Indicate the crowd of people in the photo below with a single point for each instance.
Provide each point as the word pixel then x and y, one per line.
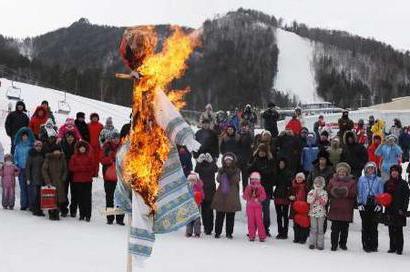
pixel 65 158
pixel 310 176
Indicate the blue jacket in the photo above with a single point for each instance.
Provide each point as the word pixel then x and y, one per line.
pixel 309 154
pixel 389 154
pixel 22 148
pixel 368 186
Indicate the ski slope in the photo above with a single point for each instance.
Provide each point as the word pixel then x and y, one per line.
pixel 35 244
pixel 295 71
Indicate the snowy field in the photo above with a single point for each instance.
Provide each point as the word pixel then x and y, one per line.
pixel 33 244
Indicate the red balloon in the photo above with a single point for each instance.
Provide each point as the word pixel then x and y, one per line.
pixel 198 197
pixel 384 199
pixel 301 207
pixel 302 220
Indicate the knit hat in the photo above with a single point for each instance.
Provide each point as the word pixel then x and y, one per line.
pixel 69 121
pixel 323 153
pixel 343 165
pixel 368 165
pixel 391 139
pixel 255 176
pixel 228 157
pixel 301 175
pixel 193 176
pixel 80 115
pixel 320 181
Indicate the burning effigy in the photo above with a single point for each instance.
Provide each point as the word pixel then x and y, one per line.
pixel 152 187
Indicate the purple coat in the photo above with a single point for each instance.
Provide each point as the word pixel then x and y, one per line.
pixel 342 195
pixel 8 175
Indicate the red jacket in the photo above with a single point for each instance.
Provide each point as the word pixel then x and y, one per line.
pixel 108 153
pixel 82 166
pixel 94 128
pixel 295 126
pixel 372 156
pixel 299 191
pixel 36 121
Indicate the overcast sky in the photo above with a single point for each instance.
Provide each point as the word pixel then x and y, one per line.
pixel 387 21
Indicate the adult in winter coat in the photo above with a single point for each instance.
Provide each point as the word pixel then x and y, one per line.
pixel 263 163
pixel 396 212
pixel 404 143
pixel 38 119
pixel 48 130
pixel 354 154
pixel 245 151
pixel 371 151
pixel 48 110
pixel 68 147
pixel 361 134
pixel 309 153
pixel 378 128
pixel 396 129
pixel 318 126
pixel 226 199
pixel 8 174
pixel 295 125
pixel 208 140
pixel 317 198
pixel 69 125
pixel 208 114
pixel 270 119
pixel 250 117
pixel 206 169
pixel 95 128
pixel 283 186
pixel 265 138
pixel 368 187
pixel 254 195
pixel 82 126
pixel 107 131
pixel 50 145
pixel 390 152
pixel 322 167
pixel 299 193
pixel 15 121
pixel 24 140
pixel 335 151
pixel 108 153
pixel 323 143
pixel 230 141
pixel 289 147
pixel 342 191
pixel 34 176
pixel 82 167
pixel 55 173
pixel 345 124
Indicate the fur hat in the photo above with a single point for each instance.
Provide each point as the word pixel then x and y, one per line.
pixel 368 165
pixel 300 174
pixel 80 115
pixel 345 166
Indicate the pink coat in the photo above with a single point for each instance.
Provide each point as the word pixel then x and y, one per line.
pixel 66 128
pixel 254 195
pixel 8 174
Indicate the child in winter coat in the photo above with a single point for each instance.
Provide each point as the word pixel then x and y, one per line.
pixel 48 130
pixel 299 192
pixel 34 177
pixel 8 173
pixel 69 125
pixel 107 131
pixel 342 193
pixel 390 152
pixel 206 169
pixel 196 186
pixel 24 141
pixel 108 153
pixel 317 198
pixel 55 173
pixel 254 195
pixel 283 187
pixel 82 167
pixel 94 129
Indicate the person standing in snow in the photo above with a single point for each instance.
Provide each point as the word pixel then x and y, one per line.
pixel 283 187
pixel 396 212
pixel 294 125
pixel 309 154
pixel 34 175
pixel 107 131
pixel 368 187
pixel 245 151
pixel 390 152
pixel 342 193
pixel 254 195
pixel 396 128
pixel 270 119
pixel 38 119
pixel 208 139
pixel 404 143
pixel 196 186
pixel 209 115
pixel 226 200
pixel 345 124
pixel 15 121
pixel 371 151
pixel 250 117
pixel 230 141
pixel 206 169
pixel 24 140
pixel 299 193
pixel 69 125
pixel 82 126
pixel 48 110
pixel 82 167
pixel 353 154
pixel 317 198
pixel 8 174
pixel 68 147
pixel 94 129
pixel 335 151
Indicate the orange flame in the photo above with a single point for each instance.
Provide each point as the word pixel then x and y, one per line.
pixel 149 145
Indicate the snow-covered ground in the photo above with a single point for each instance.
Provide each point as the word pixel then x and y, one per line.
pixel 295 71
pixel 35 244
